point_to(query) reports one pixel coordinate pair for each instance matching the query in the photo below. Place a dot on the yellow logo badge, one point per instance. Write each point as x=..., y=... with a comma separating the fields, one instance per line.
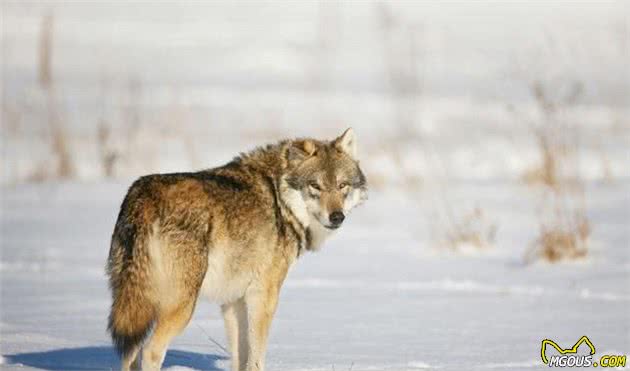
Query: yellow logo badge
x=570, y=358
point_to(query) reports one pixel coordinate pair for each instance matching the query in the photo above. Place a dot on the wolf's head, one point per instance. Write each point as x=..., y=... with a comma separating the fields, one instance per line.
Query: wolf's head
x=327, y=177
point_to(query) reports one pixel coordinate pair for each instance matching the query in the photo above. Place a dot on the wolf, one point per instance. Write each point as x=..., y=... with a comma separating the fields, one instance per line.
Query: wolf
x=229, y=234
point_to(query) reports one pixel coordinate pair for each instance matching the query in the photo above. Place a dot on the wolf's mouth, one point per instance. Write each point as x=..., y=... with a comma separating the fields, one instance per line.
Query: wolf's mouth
x=332, y=226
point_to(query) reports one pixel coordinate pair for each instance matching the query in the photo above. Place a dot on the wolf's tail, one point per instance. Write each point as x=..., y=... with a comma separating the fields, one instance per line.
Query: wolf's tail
x=133, y=310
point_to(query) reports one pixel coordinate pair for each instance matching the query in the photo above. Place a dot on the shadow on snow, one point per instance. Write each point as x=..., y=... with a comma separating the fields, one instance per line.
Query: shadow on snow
x=104, y=358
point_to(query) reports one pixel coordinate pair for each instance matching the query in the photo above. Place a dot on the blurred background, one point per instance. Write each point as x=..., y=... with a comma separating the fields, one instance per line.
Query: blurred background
x=99, y=90
x=495, y=137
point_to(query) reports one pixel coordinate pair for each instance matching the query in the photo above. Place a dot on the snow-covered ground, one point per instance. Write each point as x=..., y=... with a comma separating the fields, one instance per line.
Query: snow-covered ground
x=377, y=297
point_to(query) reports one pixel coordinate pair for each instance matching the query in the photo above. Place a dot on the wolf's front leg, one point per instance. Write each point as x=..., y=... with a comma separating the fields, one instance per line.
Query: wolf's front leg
x=261, y=306
x=235, y=317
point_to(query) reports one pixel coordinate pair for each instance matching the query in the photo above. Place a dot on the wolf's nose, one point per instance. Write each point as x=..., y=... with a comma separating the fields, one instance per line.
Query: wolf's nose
x=336, y=217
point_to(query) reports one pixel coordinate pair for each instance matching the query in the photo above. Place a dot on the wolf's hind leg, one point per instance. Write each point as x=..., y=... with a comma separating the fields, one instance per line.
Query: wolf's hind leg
x=131, y=361
x=169, y=324
x=235, y=317
x=135, y=365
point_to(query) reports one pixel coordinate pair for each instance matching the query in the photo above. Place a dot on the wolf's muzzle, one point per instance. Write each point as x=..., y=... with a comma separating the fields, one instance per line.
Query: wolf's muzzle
x=336, y=218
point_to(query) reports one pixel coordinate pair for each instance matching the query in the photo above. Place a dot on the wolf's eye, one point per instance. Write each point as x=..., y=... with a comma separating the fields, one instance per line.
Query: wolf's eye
x=343, y=185
x=315, y=186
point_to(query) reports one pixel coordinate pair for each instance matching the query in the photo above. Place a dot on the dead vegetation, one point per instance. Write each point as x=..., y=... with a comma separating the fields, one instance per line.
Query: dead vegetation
x=108, y=156
x=564, y=226
x=40, y=112
x=402, y=53
x=454, y=227
x=555, y=244
x=58, y=135
x=564, y=233
x=472, y=231
x=556, y=138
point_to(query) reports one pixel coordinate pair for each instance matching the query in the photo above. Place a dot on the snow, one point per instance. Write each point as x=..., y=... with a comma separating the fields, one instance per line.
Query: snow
x=378, y=296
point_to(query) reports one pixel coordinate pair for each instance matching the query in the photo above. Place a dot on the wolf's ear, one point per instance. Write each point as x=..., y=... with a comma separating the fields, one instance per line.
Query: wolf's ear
x=347, y=143
x=300, y=150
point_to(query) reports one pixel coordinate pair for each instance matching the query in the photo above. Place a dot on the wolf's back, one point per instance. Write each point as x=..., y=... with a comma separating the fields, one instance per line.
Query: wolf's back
x=133, y=309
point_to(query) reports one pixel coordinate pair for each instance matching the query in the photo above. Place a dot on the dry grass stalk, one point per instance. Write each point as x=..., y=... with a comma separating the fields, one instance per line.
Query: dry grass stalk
x=38, y=175
x=45, y=53
x=473, y=230
x=65, y=168
x=547, y=172
x=108, y=156
x=555, y=138
x=561, y=243
x=402, y=51
x=565, y=235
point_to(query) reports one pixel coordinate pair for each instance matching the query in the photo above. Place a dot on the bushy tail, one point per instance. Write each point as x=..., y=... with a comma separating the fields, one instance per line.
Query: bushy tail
x=133, y=312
